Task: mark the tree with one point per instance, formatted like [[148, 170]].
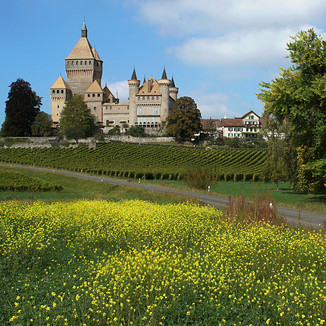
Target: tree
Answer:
[[184, 119], [298, 98], [42, 125], [135, 131], [22, 107], [76, 120]]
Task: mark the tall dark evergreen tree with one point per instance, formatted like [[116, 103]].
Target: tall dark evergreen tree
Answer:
[[22, 107]]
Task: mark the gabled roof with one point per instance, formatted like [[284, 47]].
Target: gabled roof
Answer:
[[232, 123], [107, 92], [82, 50], [209, 124], [151, 87], [251, 111], [94, 88], [60, 83]]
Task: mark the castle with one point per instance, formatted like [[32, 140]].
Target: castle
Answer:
[[149, 104]]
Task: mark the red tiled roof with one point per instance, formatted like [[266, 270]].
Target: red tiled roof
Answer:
[[209, 124], [232, 123]]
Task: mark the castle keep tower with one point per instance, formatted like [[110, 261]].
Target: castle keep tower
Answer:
[[83, 65]]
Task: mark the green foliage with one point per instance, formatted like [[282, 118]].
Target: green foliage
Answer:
[[22, 107], [298, 97], [16, 181], [42, 125], [200, 178], [135, 131], [184, 119], [76, 120], [164, 162], [99, 136], [114, 131]]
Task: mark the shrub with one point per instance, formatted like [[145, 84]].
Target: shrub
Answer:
[[200, 178]]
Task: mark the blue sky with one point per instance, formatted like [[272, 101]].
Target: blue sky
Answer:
[[217, 50]]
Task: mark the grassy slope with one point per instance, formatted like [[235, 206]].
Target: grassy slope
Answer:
[[77, 188]]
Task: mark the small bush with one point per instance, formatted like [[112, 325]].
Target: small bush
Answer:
[[200, 178]]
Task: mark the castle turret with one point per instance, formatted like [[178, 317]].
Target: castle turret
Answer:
[[164, 84], [173, 91], [60, 92], [133, 84], [83, 65]]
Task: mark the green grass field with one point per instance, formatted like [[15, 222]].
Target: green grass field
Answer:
[[75, 188]]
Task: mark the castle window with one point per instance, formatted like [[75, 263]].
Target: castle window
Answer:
[[94, 108], [152, 97], [140, 110], [155, 110], [143, 97], [148, 97], [81, 62], [85, 62], [89, 62], [76, 63], [98, 95], [58, 106], [156, 96], [57, 91], [88, 95], [53, 91], [93, 95], [62, 91]]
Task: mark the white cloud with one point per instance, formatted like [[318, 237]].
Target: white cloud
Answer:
[[214, 105], [188, 17], [119, 86], [240, 48], [228, 32]]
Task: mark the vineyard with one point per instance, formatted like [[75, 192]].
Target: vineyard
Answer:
[[143, 161], [15, 181]]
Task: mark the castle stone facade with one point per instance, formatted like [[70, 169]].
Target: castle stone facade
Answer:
[[148, 106]]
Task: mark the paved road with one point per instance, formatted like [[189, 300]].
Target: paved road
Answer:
[[291, 215]]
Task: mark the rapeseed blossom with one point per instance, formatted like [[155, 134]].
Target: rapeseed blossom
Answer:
[[139, 263]]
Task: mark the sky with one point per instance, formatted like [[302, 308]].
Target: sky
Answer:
[[218, 51]]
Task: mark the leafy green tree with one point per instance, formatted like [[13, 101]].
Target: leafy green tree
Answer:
[[298, 98], [76, 120], [184, 119], [22, 107], [136, 131], [42, 125]]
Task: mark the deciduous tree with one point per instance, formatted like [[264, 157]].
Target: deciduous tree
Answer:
[[42, 125], [22, 107], [184, 119], [298, 98]]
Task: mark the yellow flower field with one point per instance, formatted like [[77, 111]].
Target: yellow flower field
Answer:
[[139, 263]]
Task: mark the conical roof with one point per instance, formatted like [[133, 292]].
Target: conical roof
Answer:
[[60, 83], [164, 74], [172, 83], [134, 76], [94, 88]]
